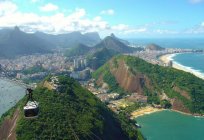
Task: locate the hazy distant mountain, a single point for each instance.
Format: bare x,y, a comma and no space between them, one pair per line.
106,49
113,43
71,39
121,40
79,49
14,42
154,47
100,57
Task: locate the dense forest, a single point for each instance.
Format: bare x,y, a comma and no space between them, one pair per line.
73,113
163,80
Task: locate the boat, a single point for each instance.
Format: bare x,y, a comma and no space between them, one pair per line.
137,125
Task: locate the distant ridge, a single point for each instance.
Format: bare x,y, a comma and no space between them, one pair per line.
14,42
113,43
154,47
77,50
69,40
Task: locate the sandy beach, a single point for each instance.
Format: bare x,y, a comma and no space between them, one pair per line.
144,111
167,57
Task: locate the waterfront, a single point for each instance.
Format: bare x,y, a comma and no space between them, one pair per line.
10,94
189,62
171,125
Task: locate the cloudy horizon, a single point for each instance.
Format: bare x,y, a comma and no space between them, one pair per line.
134,19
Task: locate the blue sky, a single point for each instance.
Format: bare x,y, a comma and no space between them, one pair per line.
125,18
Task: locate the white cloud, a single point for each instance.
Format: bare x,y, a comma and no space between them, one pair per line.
165,31
55,24
199,29
77,20
126,29
120,27
7,7
49,7
108,12
196,1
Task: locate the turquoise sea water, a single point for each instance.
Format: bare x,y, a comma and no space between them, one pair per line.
170,125
10,94
195,61
187,43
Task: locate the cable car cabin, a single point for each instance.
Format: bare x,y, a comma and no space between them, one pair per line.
31,110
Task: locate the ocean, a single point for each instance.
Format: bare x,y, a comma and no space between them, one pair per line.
171,125
193,62
10,94
187,43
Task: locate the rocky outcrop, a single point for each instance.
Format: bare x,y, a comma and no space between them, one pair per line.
182,92
179,106
129,81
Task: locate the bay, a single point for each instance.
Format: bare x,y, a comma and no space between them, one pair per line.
171,125
10,94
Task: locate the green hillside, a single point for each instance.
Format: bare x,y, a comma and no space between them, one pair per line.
73,113
78,50
100,57
176,84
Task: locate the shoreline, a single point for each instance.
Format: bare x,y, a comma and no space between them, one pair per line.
144,111
149,110
169,57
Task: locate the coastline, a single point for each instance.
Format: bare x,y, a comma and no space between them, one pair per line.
169,57
149,110
144,111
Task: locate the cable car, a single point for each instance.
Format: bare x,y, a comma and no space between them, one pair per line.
31,108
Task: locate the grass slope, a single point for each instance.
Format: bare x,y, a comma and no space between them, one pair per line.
73,112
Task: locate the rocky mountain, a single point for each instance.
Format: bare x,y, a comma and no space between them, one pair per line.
183,90
69,40
100,57
14,42
154,47
113,43
106,49
71,113
79,49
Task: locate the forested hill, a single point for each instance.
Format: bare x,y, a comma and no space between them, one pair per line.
74,113
160,84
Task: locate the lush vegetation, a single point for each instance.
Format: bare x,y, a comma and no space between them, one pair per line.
165,79
77,50
74,112
174,83
100,57
34,69
109,79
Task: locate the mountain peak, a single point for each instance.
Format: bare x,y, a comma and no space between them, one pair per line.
112,35
16,28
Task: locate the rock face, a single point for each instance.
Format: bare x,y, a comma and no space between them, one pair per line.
129,81
137,76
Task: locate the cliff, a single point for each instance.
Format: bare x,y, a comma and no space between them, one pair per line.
183,90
